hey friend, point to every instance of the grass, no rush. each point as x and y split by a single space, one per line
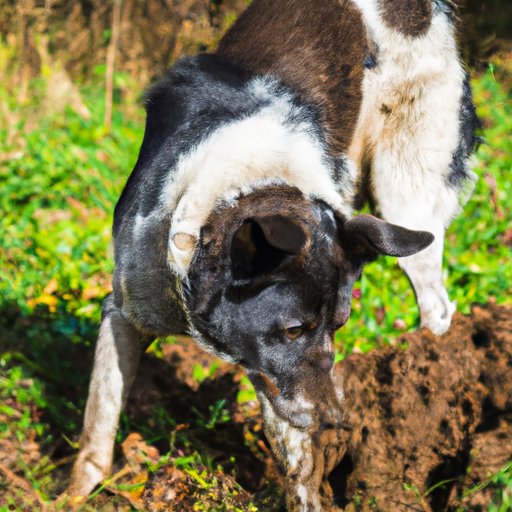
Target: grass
60 177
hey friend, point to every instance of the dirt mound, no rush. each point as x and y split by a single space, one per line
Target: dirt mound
427 423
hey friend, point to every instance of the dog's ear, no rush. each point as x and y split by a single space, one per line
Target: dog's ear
260 244
364 237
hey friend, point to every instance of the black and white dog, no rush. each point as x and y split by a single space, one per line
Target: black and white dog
236 224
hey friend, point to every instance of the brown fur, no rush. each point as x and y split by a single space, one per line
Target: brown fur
271 200
316 48
217 233
411 18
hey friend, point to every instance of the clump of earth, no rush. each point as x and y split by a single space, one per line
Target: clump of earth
427 424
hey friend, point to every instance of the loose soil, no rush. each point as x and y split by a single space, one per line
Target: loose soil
425 421
440 411
423 424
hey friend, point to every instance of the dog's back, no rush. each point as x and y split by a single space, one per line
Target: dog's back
392 95
295 89
317 49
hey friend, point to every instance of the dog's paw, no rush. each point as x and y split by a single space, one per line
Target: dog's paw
438 320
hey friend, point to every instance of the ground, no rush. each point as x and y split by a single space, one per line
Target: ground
426 424
427 421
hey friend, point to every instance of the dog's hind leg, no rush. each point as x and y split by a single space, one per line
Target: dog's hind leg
424 269
116 359
409 182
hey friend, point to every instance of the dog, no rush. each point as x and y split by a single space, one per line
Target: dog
236 225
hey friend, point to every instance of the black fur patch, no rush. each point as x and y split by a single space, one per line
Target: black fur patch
341 171
468 140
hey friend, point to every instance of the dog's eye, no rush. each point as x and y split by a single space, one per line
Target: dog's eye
292 333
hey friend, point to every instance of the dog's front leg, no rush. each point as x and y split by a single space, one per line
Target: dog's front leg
424 269
115 364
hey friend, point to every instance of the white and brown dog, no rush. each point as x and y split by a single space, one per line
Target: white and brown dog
236 224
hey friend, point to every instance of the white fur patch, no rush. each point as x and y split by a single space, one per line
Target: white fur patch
241 155
115 364
425 273
296 451
409 122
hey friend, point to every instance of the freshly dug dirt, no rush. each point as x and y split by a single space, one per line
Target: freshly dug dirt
440 411
423 424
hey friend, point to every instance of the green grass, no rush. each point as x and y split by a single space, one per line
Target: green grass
60 177
58 192
502 481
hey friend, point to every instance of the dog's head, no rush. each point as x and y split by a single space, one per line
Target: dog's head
271 282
